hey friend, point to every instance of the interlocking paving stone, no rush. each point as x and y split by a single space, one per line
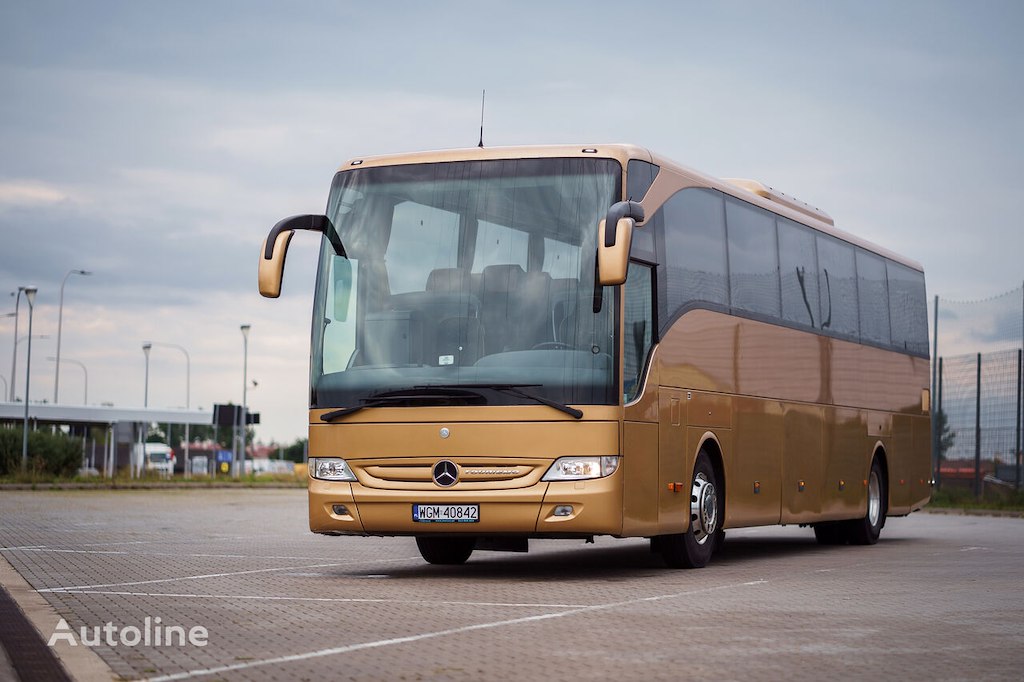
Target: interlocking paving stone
939 598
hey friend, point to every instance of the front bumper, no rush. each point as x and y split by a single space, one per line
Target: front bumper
596 509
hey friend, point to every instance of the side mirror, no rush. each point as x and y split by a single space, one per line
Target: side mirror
272 270
341 275
614 241
613 261
275 248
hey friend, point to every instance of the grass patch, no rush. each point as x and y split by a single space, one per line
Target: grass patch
963 498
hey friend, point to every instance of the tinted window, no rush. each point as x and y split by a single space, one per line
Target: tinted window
422 238
873 294
908 309
499 245
639 178
639 326
837 282
799 271
561 260
695 247
753 259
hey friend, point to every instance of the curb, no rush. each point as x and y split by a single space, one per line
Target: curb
80 662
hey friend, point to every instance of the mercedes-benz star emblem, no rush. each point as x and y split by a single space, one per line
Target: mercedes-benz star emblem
446 473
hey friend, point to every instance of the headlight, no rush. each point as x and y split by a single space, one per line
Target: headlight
330 469
580 468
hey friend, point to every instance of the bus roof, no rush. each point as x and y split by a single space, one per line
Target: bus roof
751 191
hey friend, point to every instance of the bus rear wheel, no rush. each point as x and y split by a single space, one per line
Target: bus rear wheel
865 531
693 549
445 551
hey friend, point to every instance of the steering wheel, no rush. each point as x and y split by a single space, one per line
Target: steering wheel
552 345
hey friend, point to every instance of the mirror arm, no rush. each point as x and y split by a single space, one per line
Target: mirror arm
622 209
315 223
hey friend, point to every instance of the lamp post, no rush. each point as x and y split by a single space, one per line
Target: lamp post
17 342
30 296
60 322
188 390
146 347
86 371
245 385
14 353
5 393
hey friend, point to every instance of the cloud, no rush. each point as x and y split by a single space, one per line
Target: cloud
29 193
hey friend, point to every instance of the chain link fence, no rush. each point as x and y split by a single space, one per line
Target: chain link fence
977 385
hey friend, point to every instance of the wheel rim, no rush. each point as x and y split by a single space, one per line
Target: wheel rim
874 499
703 508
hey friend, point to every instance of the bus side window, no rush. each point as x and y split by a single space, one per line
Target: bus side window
638 330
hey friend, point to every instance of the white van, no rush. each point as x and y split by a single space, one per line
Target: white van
155 457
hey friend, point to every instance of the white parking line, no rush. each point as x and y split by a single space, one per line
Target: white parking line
440 633
219 575
356 600
44 548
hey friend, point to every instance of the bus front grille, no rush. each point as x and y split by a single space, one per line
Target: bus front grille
473 473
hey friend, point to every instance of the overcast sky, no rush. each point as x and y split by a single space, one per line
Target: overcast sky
156 143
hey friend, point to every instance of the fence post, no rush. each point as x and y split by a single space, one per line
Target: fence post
938 466
936 453
977 433
1016 449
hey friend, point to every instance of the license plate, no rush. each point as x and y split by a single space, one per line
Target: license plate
446 513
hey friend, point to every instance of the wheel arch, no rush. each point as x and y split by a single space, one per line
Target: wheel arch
879 453
709 443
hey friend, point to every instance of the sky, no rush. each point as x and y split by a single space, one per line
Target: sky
156 143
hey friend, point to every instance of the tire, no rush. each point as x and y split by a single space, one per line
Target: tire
830 533
694 548
445 551
865 531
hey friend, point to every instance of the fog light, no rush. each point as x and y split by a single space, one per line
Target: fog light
563 510
340 510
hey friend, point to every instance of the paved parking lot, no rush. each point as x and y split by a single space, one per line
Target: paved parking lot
939 598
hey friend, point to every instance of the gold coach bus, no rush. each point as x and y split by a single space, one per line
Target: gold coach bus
563 342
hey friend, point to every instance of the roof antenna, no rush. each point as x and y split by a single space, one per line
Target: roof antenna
483 98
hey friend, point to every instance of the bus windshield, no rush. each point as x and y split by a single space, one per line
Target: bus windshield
465 283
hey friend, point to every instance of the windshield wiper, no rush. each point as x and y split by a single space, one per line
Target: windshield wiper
517 389
403 397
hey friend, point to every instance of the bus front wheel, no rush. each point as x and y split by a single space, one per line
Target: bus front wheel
445 551
693 549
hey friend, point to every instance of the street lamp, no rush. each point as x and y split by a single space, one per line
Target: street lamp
245 385
30 296
14 353
60 322
15 339
16 343
86 371
188 389
146 347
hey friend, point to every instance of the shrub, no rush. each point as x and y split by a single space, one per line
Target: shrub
49 454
